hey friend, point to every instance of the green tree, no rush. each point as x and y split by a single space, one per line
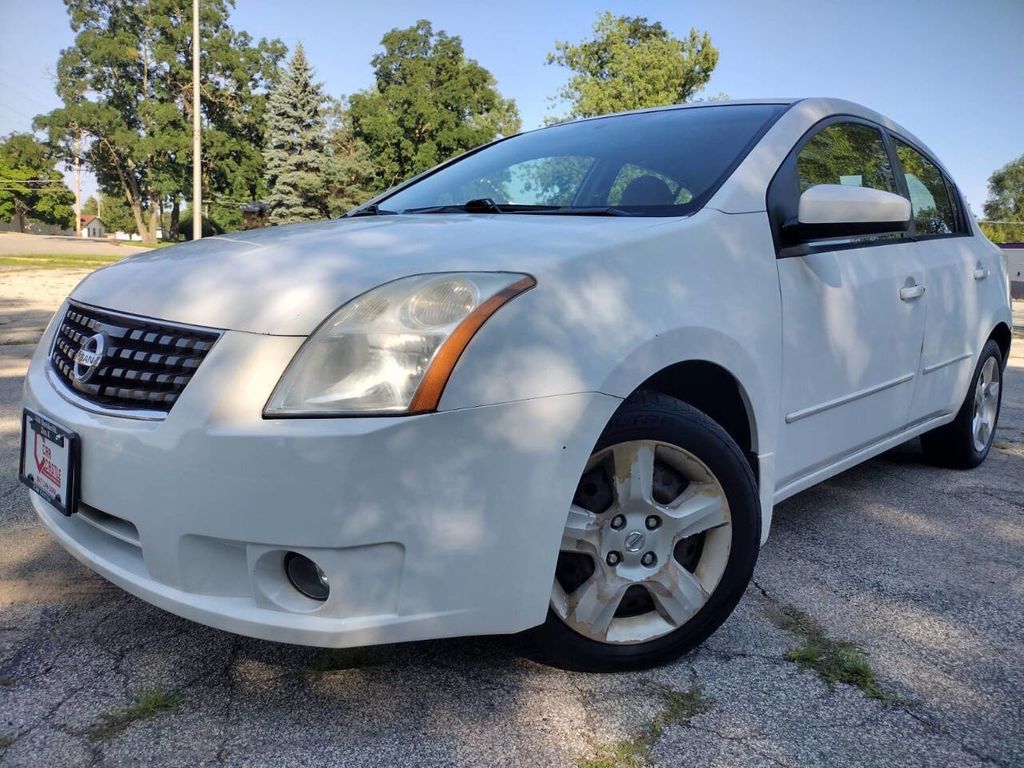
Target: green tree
429 103
631 63
1003 232
126 87
1004 208
297 161
30 186
352 168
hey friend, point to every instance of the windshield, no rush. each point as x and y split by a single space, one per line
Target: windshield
662 163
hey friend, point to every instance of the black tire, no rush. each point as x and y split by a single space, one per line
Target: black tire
653 416
952 445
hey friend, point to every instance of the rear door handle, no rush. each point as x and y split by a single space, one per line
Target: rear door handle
980 273
911 292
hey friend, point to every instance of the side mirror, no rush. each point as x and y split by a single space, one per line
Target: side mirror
837 210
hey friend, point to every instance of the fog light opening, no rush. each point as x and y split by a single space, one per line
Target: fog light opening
306 576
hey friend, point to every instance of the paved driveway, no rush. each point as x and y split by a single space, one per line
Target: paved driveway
921 568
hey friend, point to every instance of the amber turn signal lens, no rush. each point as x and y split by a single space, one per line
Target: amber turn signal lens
431 388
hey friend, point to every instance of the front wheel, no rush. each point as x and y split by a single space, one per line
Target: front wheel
965 442
659 544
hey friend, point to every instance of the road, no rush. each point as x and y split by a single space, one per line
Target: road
15 244
921 568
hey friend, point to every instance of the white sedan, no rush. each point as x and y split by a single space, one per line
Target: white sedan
557 383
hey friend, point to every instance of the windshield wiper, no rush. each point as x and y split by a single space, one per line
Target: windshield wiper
476 205
370 210
486 205
568 210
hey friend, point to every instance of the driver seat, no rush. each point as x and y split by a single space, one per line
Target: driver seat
647 190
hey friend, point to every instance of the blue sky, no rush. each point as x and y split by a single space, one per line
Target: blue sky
952 72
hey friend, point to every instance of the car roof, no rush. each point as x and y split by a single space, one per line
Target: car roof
816 103
666 108
816 106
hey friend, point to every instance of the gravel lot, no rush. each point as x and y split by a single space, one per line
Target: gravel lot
921 568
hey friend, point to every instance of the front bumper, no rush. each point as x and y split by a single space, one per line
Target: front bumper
427 526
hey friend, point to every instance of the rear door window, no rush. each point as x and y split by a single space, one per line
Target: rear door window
930 201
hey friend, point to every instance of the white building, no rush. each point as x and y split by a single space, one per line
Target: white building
1014 253
93 226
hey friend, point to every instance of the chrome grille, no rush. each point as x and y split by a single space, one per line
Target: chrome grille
145 363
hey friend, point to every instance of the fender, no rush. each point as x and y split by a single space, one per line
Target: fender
706 345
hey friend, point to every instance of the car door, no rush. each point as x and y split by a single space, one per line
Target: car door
853 322
951 272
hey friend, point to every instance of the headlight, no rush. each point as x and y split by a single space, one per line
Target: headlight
392 349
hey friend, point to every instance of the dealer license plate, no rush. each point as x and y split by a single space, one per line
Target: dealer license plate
49 461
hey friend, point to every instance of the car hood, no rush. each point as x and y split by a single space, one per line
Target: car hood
287 280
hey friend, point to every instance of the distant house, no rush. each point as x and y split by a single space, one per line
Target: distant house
93 226
1014 253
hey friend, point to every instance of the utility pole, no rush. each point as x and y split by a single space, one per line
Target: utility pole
78 184
197 166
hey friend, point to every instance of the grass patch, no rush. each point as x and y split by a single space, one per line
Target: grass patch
6 741
834 661
682 707
628 753
678 709
149 704
57 261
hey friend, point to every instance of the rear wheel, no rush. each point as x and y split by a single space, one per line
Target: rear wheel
965 442
659 543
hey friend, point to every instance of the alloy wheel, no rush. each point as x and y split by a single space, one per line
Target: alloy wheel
986 404
646 542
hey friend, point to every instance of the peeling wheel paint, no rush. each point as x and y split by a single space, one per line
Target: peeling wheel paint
627 553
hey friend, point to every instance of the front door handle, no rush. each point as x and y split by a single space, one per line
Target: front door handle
980 273
911 292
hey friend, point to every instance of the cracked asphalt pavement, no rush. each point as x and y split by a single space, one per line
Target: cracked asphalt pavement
922 568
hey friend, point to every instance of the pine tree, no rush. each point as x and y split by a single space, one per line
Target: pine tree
297 159
352 166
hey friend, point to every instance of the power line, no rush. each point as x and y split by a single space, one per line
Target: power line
16 112
22 92
23 97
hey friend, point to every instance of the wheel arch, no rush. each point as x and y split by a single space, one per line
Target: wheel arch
1002 336
715 391
686 363
677 357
